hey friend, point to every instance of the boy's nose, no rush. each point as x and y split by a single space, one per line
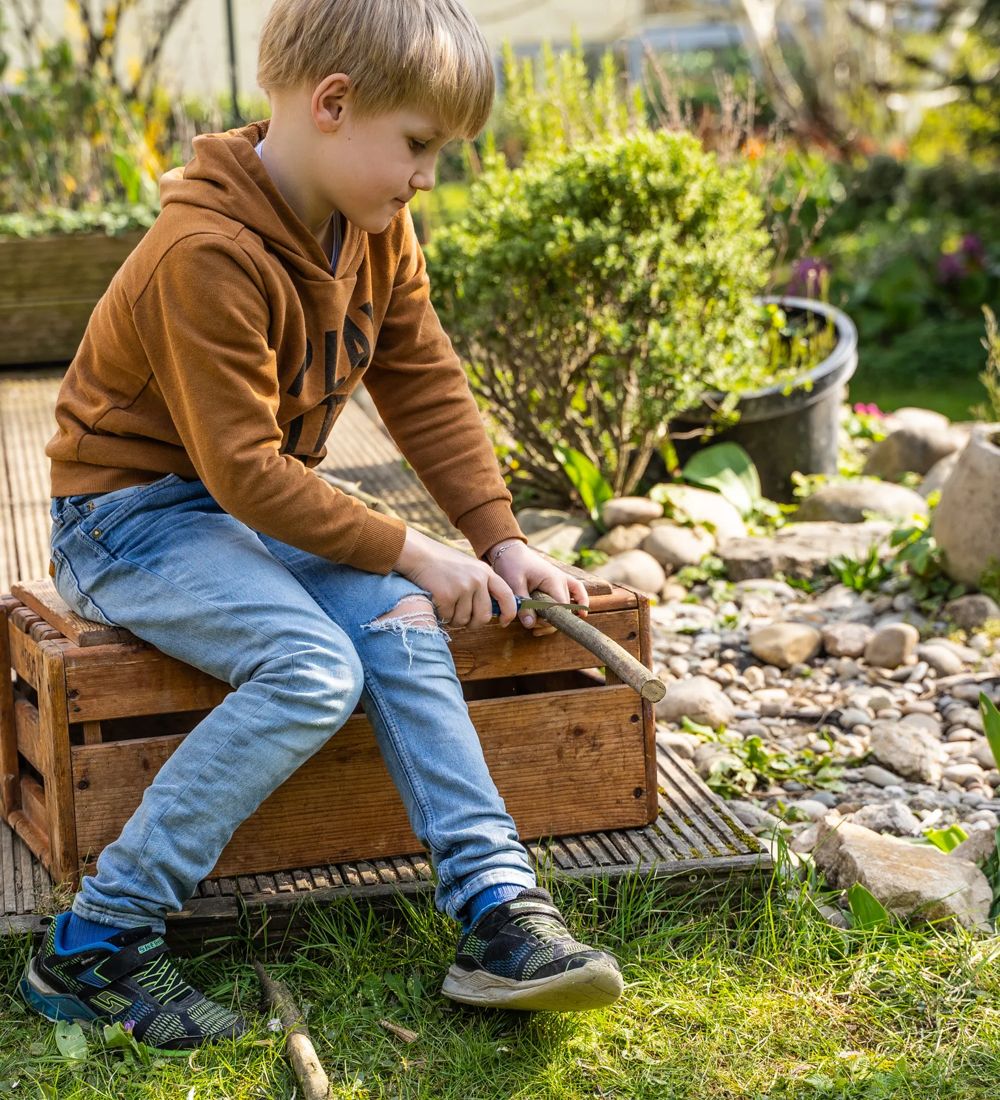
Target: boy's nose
423 180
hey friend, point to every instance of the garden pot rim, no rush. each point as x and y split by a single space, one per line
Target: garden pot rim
781 398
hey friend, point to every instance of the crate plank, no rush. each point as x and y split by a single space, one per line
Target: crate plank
41 596
9 767
29 741
564 761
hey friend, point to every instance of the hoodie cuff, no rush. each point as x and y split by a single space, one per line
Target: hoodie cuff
489 524
379 543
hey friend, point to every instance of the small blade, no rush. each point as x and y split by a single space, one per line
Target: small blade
525 602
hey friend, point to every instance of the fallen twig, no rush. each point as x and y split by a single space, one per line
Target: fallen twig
301 1052
399 1031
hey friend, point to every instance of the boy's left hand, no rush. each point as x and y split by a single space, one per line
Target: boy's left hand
526 571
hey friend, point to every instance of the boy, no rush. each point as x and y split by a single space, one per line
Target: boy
282 269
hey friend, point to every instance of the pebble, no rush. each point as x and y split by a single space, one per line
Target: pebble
922 721
852 716
881 777
892 645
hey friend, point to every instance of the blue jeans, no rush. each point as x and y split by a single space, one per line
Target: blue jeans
296 635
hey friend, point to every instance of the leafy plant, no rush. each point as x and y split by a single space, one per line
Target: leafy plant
867 912
990 377
727 469
862 574
991 724
947 839
592 488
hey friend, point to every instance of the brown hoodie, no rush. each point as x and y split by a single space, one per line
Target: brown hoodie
224 349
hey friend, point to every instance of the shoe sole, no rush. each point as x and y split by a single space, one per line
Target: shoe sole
581 989
56 1006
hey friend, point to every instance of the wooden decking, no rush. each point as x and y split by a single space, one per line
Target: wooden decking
695 841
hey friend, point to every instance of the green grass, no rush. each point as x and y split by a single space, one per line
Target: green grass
734 997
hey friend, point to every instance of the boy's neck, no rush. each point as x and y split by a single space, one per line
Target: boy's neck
280 151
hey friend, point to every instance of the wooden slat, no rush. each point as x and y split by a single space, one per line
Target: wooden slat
9 767
41 596
54 721
564 761
29 739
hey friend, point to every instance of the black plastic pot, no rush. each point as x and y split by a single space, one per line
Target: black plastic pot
787 430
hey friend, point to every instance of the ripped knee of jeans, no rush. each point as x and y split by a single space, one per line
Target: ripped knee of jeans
412 614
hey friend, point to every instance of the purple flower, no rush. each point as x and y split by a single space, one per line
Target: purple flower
806 276
972 246
950 267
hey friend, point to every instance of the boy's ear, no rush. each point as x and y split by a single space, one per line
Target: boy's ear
329 100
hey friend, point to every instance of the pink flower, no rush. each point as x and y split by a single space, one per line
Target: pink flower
869 410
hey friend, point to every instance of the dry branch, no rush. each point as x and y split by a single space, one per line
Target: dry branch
301 1052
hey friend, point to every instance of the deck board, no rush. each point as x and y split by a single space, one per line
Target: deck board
695 839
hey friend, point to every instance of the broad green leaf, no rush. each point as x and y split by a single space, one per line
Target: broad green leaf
729 470
71 1041
991 724
868 912
588 481
947 839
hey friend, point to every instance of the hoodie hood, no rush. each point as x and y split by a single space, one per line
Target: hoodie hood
226 177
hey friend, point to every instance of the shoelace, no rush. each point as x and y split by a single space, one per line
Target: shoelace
547 929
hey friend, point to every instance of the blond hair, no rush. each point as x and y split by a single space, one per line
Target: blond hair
426 54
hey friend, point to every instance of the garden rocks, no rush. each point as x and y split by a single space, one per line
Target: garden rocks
942 658
699 699
937 475
908 751
532 520
967 521
702 508
853 501
674 547
622 510
972 611
635 568
569 536
784 644
892 646
910 880
628 536
915 447
846 639
888 817
800 549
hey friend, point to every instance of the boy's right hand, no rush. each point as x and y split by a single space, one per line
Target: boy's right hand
462 587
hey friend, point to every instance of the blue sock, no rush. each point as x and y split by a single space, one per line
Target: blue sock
76 932
480 904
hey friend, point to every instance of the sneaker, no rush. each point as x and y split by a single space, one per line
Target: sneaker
521 955
128 979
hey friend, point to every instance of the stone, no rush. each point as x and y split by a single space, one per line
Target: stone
800 550
702 508
673 592
910 752
710 757
621 510
967 522
943 659
628 536
972 611
635 568
911 880
674 547
846 639
918 720
888 817
768 586
983 754
784 644
937 476
912 448
977 849
963 774
684 744
699 699
537 519
567 537
752 815
892 645
853 501
807 809
852 716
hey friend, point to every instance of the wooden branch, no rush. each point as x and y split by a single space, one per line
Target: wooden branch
301 1052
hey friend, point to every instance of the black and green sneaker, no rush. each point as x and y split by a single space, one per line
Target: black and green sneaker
521 955
128 979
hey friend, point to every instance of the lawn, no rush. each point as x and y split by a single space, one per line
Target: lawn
735 995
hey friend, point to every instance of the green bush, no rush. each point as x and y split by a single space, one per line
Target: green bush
597 293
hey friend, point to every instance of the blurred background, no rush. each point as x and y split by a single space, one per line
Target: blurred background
870 129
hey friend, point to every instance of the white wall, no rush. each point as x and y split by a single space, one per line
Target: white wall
196 55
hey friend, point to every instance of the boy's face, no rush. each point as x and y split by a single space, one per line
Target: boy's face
370 167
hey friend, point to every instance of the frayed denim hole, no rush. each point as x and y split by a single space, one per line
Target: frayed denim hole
403 622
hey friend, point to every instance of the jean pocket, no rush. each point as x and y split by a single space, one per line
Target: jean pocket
101 514
68 587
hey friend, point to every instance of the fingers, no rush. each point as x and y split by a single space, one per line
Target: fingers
482 607
578 594
499 589
463 609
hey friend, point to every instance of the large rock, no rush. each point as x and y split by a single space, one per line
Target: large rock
914 447
941 657
846 639
911 880
800 549
567 537
938 474
892 646
532 520
853 501
908 751
629 536
967 521
674 547
702 508
620 510
887 817
784 644
635 568
700 699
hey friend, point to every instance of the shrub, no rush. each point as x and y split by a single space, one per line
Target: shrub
596 293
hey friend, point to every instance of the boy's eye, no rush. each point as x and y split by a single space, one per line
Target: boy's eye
417 146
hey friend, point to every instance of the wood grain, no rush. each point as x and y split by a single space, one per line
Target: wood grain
41 596
53 720
10 799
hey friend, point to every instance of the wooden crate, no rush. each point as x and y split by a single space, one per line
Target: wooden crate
90 714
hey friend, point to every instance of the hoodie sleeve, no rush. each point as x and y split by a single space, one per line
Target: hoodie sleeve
421 392
203 319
